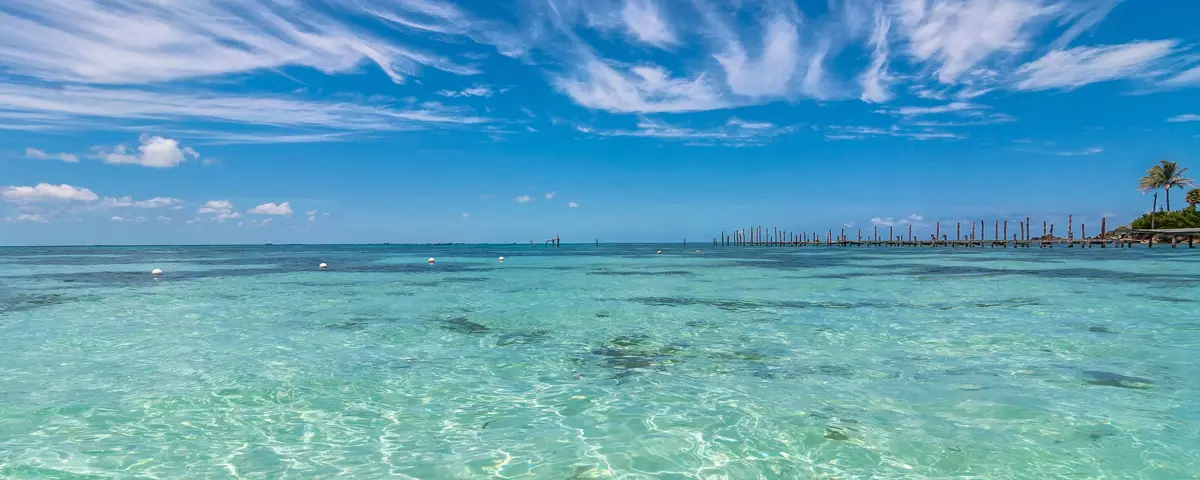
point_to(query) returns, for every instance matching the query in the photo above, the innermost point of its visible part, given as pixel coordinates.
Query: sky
(366, 121)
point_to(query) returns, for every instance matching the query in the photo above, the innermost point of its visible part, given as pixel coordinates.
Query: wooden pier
(756, 236)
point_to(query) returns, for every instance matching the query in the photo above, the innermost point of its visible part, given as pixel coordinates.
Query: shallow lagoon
(599, 362)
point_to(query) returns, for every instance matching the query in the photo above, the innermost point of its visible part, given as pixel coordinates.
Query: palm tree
(1166, 175)
(1193, 197)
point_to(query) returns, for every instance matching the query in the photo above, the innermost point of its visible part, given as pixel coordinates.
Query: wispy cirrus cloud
(78, 41)
(956, 37)
(637, 89)
(476, 91)
(1081, 152)
(277, 115)
(912, 111)
(1076, 67)
(646, 22)
(1188, 117)
(875, 79)
(844, 132)
(734, 132)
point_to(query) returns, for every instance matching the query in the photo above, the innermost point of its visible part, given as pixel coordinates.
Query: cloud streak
(93, 42)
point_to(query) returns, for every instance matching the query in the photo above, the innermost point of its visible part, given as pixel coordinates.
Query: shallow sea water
(599, 362)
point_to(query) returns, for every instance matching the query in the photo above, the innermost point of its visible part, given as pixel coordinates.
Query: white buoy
(501, 259)
(660, 252)
(697, 251)
(431, 260)
(156, 272)
(323, 265)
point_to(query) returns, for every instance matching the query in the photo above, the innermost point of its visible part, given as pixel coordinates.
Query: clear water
(610, 362)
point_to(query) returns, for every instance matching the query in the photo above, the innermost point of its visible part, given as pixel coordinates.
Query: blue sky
(188, 121)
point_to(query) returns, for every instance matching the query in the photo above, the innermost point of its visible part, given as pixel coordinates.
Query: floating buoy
(660, 252)
(501, 259)
(431, 260)
(156, 272)
(697, 251)
(322, 266)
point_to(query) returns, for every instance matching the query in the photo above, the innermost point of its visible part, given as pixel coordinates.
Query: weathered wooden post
(937, 232)
(1052, 235)
(891, 236)
(996, 234)
(1070, 228)
(877, 233)
(1006, 233)
(1103, 232)
(958, 232)
(910, 237)
(972, 232)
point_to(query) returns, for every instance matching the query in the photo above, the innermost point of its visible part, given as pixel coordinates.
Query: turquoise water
(599, 362)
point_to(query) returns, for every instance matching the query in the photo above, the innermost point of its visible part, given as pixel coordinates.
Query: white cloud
(126, 201)
(638, 89)
(75, 107)
(44, 192)
(27, 217)
(284, 208)
(217, 211)
(958, 35)
(120, 219)
(31, 152)
(164, 219)
(875, 79)
(739, 123)
(466, 215)
(523, 199)
(1076, 153)
(838, 132)
(893, 221)
(645, 22)
(572, 205)
(1076, 67)
(1190, 77)
(159, 202)
(735, 132)
(771, 73)
(91, 42)
(1189, 117)
(154, 152)
(953, 107)
(550, 196)
(476, 91)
